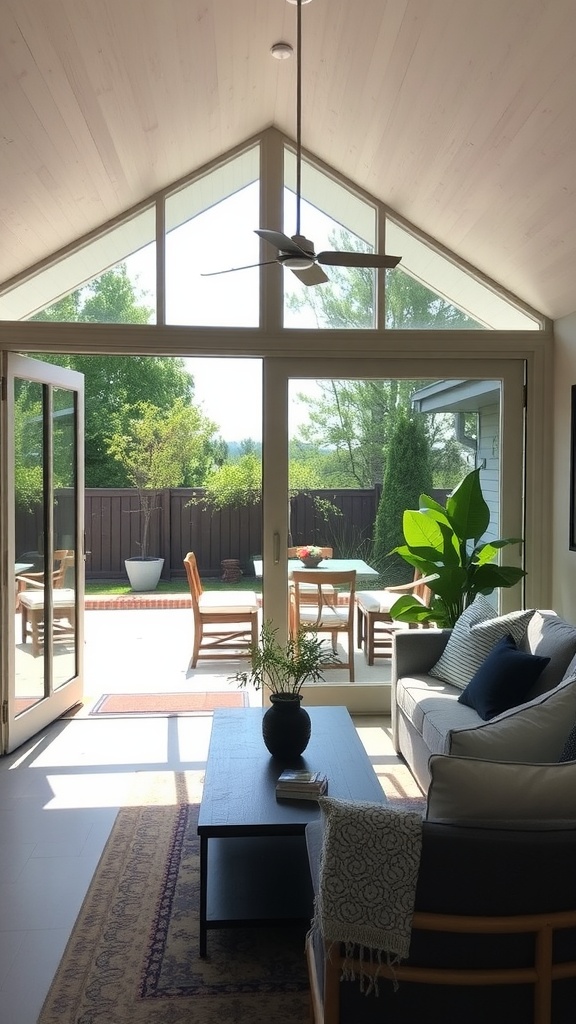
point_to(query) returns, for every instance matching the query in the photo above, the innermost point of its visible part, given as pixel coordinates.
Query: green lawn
(173, 587)
(181, 586)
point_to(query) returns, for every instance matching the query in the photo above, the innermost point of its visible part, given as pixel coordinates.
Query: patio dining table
(328, 564)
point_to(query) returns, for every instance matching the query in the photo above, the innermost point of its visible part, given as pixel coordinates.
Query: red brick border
(112, 602)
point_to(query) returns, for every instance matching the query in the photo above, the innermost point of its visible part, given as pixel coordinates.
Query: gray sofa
(427, 717)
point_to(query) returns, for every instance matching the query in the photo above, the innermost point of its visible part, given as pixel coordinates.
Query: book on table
(299, 784)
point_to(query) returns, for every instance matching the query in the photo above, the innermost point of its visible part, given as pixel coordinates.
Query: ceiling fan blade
(358, 259)
(312, 275)
(280, 241)
(229, 270)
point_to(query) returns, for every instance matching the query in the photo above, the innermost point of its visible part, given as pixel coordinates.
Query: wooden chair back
(225, 624)
(193, 576)
(315, 608)
(63, 560)
(315, 580)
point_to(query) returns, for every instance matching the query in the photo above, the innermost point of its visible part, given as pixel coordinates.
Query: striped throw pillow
(474, 635)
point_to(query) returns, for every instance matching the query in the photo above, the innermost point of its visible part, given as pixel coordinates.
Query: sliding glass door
(327, 439)
(42, 551)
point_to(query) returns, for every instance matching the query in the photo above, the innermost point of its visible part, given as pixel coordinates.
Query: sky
(219, 382)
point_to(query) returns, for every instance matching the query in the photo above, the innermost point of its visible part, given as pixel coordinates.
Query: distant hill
(237, 448)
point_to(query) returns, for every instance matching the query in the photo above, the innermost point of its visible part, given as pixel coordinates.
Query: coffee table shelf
(253, 863)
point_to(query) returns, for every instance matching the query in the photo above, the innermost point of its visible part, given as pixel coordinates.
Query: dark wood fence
(182, 521)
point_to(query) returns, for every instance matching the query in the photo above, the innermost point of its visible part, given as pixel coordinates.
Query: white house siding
(489, 450)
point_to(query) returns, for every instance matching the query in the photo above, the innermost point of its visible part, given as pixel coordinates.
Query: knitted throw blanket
(368, 875)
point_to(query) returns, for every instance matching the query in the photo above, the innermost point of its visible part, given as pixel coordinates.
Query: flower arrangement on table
(309, 551)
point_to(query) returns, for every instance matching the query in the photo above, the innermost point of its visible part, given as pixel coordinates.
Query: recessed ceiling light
(281, 51)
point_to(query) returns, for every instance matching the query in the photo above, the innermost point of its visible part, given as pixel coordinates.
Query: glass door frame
(17, 728)
(277, 374)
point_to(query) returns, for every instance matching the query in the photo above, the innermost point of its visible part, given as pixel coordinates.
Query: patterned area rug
(165, 703)
(133, 954)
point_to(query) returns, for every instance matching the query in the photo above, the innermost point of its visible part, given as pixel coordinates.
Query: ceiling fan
(297, 252)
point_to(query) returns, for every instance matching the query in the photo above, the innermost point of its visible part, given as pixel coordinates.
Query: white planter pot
(144, 573)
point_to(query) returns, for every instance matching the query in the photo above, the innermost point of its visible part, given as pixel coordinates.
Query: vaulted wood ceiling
(459, 115)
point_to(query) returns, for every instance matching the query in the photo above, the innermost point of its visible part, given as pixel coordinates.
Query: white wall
(563, 560)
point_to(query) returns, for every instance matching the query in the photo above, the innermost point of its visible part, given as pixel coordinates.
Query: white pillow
(536, 731)
(469, 789)
(474, 635)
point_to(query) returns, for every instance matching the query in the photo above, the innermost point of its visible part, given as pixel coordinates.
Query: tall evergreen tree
(408, 475)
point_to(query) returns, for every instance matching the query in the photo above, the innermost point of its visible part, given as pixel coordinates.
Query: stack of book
(299, 784)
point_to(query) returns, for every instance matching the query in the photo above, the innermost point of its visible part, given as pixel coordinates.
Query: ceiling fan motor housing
(295, 262)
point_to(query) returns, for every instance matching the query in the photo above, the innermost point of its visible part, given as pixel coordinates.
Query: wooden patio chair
(312, 609)
(30, 601)
(233, 616)
(375, 625)
(63, 560)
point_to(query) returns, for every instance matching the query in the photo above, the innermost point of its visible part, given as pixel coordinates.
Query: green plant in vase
(283, 670)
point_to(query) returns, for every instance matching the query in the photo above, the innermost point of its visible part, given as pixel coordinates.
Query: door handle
(276, 548)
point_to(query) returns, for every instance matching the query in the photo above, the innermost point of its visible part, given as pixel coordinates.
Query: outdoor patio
(147, 650)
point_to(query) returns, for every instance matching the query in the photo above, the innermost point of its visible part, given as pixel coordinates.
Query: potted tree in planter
(157, 450)
(445, 542)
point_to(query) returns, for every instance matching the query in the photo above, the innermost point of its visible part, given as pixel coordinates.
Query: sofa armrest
(415, 651)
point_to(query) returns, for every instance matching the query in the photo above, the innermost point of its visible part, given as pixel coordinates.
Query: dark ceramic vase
(312, 561)
(286, 726)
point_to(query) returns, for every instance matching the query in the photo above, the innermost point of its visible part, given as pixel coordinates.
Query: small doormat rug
(165, 703)
(133, 958)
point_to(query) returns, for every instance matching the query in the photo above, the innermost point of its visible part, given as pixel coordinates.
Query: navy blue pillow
(503, 679)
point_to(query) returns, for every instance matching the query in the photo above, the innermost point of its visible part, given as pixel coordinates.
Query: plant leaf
(488, 577)
(467, 510)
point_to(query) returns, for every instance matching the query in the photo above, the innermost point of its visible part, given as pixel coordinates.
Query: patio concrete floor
(147, 650)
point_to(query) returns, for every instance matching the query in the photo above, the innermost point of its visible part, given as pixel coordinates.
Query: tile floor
(60, 792)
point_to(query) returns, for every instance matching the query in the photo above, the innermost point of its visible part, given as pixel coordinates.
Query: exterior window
(430, 291)
(210, 226)
(332, 217)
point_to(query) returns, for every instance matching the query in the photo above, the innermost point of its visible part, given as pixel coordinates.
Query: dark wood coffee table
(253, 863)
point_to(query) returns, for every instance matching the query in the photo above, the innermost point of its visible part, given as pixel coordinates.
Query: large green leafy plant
(446, 542)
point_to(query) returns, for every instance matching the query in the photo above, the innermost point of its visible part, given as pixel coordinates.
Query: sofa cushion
(474, 635)
(550, 636)
(536, 731)
(432, 708)
(503, 679)
(468, 789)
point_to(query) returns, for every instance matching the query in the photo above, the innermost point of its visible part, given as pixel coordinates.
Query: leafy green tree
(408, 474)
(113, 382)
(351, 423)
(158, 449)
(235, 484)
(28, 471)
(354, 419)
(111, 298)
(239, 483)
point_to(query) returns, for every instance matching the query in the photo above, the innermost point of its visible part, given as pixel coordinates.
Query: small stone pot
(286, 726)
(312, 562)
